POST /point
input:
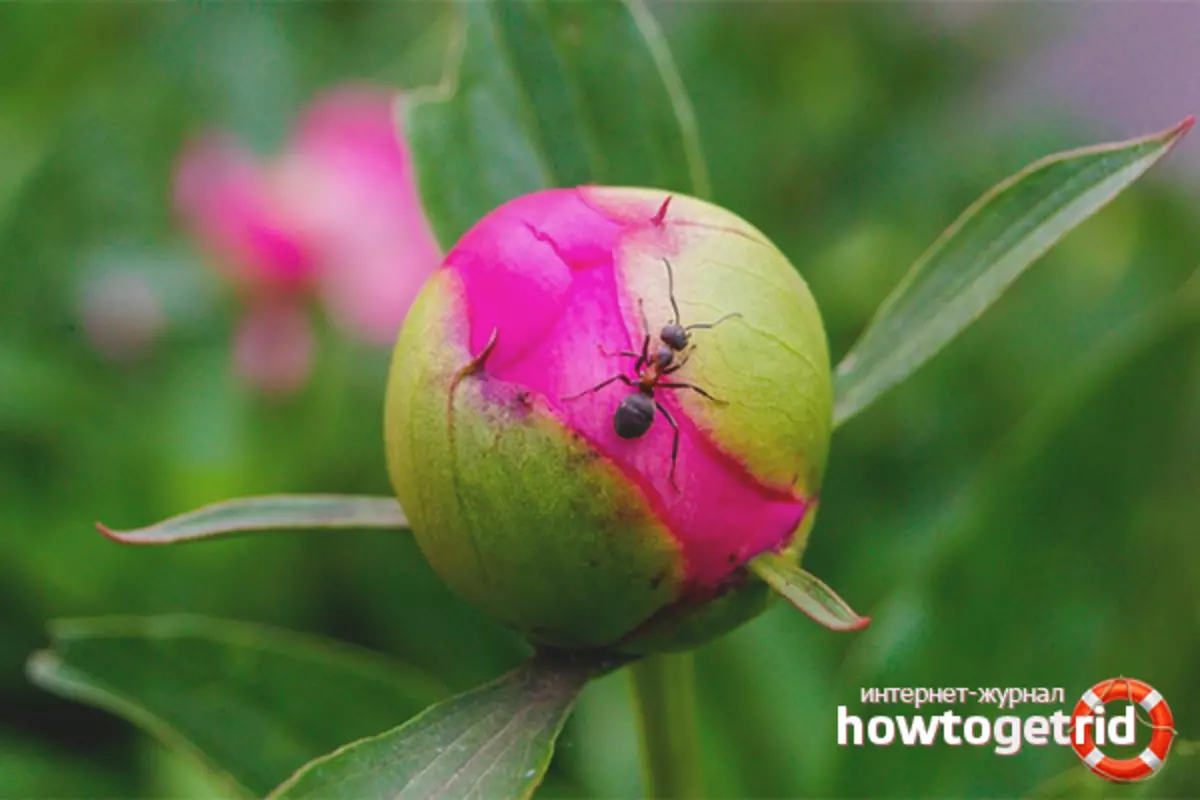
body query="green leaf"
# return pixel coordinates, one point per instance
(1017, 576)
(32, 769)
(494, 741)
(542, 94)
(982, 254)
(270, 512)
(252, 703)
(807, 593)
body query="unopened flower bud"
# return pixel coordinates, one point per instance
(602, 405)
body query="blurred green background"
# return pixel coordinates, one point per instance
(1024, 512)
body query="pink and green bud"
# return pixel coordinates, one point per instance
(518, 486)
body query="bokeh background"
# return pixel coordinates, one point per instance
(1024, 512)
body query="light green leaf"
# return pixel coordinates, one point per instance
(494, 741)
(252, 703)
(542, 94)
(982, 254)
(269, 512)
(807, 593)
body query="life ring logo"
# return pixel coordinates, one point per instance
(1087, 725)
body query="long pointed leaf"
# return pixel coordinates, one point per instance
(981, 254)
(542, 94)
(269, 512)
(252, 703)
(494, 741)
(807, 593)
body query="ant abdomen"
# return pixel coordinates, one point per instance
(634, 415)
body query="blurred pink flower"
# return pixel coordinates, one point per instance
(334, 216)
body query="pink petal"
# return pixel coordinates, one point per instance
(224, 196)
(348, 182)
(540, 272)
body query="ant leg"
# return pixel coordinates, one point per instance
(610, 353)
(642, 314)
(674, 442)
(644, 358)
(678, 365)
(706, 325)
(623, 378)
(694, 388)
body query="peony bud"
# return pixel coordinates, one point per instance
(501, 439)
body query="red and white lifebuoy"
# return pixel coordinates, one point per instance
(1149, 760)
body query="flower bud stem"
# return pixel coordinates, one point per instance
(665, 697)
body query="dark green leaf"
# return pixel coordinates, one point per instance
(252, 703)
(542, 94)
(271, 512)
(807, 593)
(492, 742)
(982, 254)
(31, 770)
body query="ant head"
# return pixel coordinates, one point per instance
(674, 336)
(663, 356)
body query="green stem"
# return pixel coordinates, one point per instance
(665, 692)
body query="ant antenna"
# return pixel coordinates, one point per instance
(671, 290)
(706, 325)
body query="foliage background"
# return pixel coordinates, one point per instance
(1023, 512)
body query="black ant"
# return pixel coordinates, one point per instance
(635, 413)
